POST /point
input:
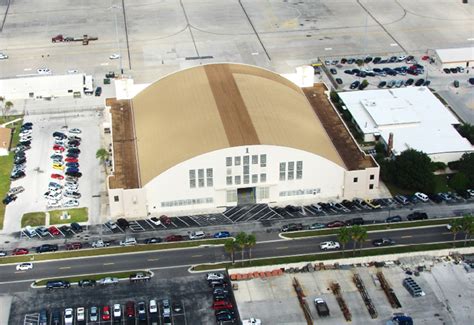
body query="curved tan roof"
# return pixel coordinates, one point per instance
(217, 106)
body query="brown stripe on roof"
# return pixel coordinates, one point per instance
(237, 123)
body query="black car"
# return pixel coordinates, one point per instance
(66, 230)
(454, 70)
(383, 242)
(123, 223)
(393, 219)
(349, 72)
(72, 155)
(436, 198)
(27, 125)
(427, 83)
(47, 248)
(355, 221)
(76, 227)
(153, 240)
(368, 59)
(339, 81)
(9, 199)
(98, 91)
(471, 81)
(17, 175)
(56, 317)
(292, 227)
(333, 71)
(446, 70)
(87, 283)
(19, 161)
(409, 82)
(74, 173)
(224, 317)
(59, 135)
(417, 216)
(363, 85)
(392, 59)
(74, 143)
(57, 284)
(74, 150)
(419, 82)
(382, 84)
(377, 60)
(343, 60)
(355, 84)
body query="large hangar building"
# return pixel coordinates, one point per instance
(219, 135)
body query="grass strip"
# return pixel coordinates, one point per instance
(331, 256)
(33, 219)
(6, 163)
(76, 215)
(385, 226)
(109, 251)
(74, 279)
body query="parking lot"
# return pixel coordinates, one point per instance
(39, 165)
(274, 300)
(191, 292)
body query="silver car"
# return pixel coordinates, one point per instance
(93, 314)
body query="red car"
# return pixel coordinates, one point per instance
(54, 231)
(130, 309)
(57, 147)
(165, 220)
(20, 251)
(70, 246)
(106, 313)
(335, 224)
(174, 238)
(57, 176)
(224, 305)
(71, 159)
(425, 57)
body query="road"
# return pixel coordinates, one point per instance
(186, 257)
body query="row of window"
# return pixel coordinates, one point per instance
(201, 180)
(287, 170)
(309, 191)
(237, 180)
(187, 202)
(238, 160)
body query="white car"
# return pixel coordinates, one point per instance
(155, 220)
(112, 225)
(129, 241)
(43, 71)
(75, 131)
(251, 321)
(108, 280)
(422, 196)
(3, 56)
(197, 235)
(401, 58)
(153, 307)
(16, 190)
(117, 311)
(68, 316)
(214, 276)
(114, 56)
(329, 245)
(24, 266)
(53, 204)
(80, 314)
(72, 71)
(71, 203)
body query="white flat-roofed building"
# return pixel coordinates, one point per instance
(415, 117)
(458, 57)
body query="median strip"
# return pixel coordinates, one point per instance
(370, 228)
(91, 252)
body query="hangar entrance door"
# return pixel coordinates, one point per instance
(246, 196)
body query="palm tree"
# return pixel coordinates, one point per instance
(362, 237)
(103, 155)
(230, 247)
(241, 242)
(354, 232)
(8, 105)
(467, 225)
(344, 236)
(251, 242)
(456, 227)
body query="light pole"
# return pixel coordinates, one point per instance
(117, 36)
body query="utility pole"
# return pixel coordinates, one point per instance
(114, 7)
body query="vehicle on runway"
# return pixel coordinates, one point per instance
(24, 266)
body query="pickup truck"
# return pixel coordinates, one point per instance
(100, 244)
(137, 277)
(321, 307)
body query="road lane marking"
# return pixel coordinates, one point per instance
(284, 247)
(152, 259)
(19, 272)
(64, 267)
(406, 236)
(109, 263)
(196, 256)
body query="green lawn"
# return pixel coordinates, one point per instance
(77, 215)
(329, 256)
(74, 279)
(33, 219)
(109, 251)
(385, 226)
(6, 164)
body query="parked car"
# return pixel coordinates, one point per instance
(153, 307)
(57, 284)
(417, 216)
(382, 84)
(153, 240)
(71, 246)
(87, 283)
(141, 306)
(383, 242)
(75, 131)
(317, 226)
(393, 219)
(98, 91)
(111, 224)
(165, 220)
(108, 280)
(197, 235)
(80, 314)
(20, 251)
(215, 276)
(9, 199)
(328, 245)
(355, 84)
(47, 248)
(222, 234)
(334, 224)
(53, 230)
(93, 314)
(172, 238)
(130, 309)
(76, 227)
(292, 227)
(68, 316)
(117, 312)
(72, 194)
(106, 313)
(123, 223)
(71, 203)
(129, 241)
(16, 190)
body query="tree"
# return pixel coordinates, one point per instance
(230, 247)
(467, 226)
(241, 242)
(466, 166)
(344, 236)
(456, 227)
(354, 231)
(251, 242)
(458, 182)
(103, 155)
(362, 237)
(8, 105)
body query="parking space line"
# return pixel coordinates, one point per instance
(246, 213)
(183, 221)
(266, 214)
(226, 217)
(276, 213)
(194, 219)
(150, 223)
